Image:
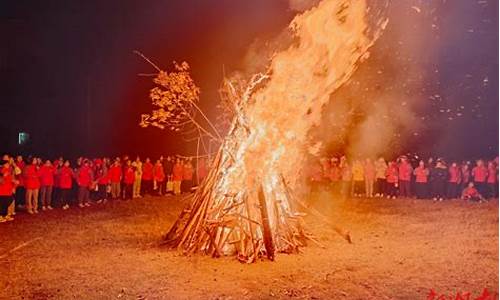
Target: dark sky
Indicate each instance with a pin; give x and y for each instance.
(69, 78)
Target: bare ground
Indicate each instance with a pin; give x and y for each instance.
(401, 250)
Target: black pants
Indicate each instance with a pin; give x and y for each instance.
(83, 194)
(404, 188)
(20, 195)
(481, 188)
(102, 192)
(147, 187)
(127, 193)
(5, 201)
(421, 190)
(452, 190)
(391, 189)
(359, 187)
(439, 189)
(64, 195)
(186, 186)
(492, 190)
(380, 186)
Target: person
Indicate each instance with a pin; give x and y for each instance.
(187, 177)
(358, 177)
(439, 174)
(479, 176)
(115, 177)
(492, 180)
(369, 177)
(470, 193)
(32, 184)
(83, 179)
(103, 180)
(177, 174)
(404, 175)
(20, 195)
(7, 186)
(453, 188)
(136, 188)
(46, 184)
(159, 177)
(392, 180)
(421, 178)
(346, 174)
(201, 171)
(380, 171)
(128, 180)
(335, 175)
(147, 177)
(56, 191)
(465, 177)
(65, 184)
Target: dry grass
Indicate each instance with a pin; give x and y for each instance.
(402, 249)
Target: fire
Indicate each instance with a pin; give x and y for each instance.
(247, 205)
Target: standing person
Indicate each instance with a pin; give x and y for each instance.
(56, 187)
(453, 188)
(369, 177)
(187, 176)
(168, 168)
(32, 184)
(137, 164)
(421, 178)
(335, 175)
(115, 177)
(84, 179)
(439, 174)
(479, 176)
(201, 171)
(159, 177)
(346, 174)
(102, 177)
(20, 195)
(177, 174)
(315, 177)
(380, 171)
(128, 180)
(7, 186)
(358, 178)
(46, 184)
(147, 177)
(65, 184)
(392, 180)
(492, 180)
(466, 175)
(404, 174)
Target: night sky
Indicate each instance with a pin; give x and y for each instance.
(68, 76)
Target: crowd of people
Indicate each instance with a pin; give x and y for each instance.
(35, 185)
(407, 178)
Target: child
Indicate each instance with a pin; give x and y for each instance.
(421, 178)
(147, 177)
(453, 181)
(470, 193)
(358, 177)
(177, 176)
(47, 183)
(187, 177)
(380, 170)
(128, 179)
(84, 179)
(115, 177)
(369, 177)
(159, 176)
(392, 180)
(32, 183)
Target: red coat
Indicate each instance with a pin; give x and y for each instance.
(187, 172)
(492, 175)
(31, 177)
(202, 169)
(392, 174)
(177, 172)
(158, 173)
(129, 175)
(65, 177)
(6, 185)
(421, 174)
(115, 174)
(21, 166)
(405, 171)
(479, 174)
(454, 173)
(103, 177)
(84, 177)
(147, 171)
(47, 175)
(470, 192)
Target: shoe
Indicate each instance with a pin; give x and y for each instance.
(65, 207)
(50, 207)
(434, 199)
(87, 204)
(388, 197)
(30, 211)
(9, 218)
(13, 213)
(2, 220)
(35, 211)
(98, 201)
(44, 208)
(440, 199)
(393, 197)
(81, 205)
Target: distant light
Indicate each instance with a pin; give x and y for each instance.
(22, 138)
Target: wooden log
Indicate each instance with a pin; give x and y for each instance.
(268, 237)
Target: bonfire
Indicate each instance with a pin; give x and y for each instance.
(250, 204)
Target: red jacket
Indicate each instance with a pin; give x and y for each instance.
(31, 177)
(47, 175)
(421, 174)
(479, 174)
(470, 192)
(158, 173)
(103, 175)
(115, 173)
(129, 175)
(177, 172)
(21, 166)
(392, 174)
(65, 177)
(454, 173)
(6, 184)
(187, 172)
(405, 171)
(84, 177)
(492, 175)
(147, 171)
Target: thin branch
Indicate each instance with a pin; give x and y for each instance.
(147, 59)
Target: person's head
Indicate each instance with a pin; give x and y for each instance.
(148, 160)
(169, 158)
(158, 161)
(129, 162)
(48, 163)
(137, 159)
(66, 163)
(491, 164)
(471, 184)
(178, 160)
(85, 162)
(421, 163)
(479, 163)
(19, 158)
(454, 164)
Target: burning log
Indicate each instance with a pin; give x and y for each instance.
(248, 205)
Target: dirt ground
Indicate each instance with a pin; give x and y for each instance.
(401, 250)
